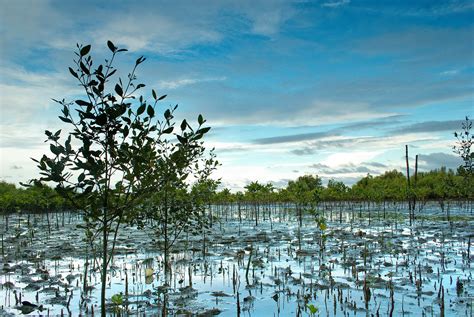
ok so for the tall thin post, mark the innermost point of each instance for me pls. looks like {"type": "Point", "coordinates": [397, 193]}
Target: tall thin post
{"type": "Point", "coordinates": [414, 185]}
{"type": "Point", "coordinates": [408, 183]}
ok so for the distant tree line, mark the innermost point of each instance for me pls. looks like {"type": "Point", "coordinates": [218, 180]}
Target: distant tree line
{"type": "Point", "coordinates": [438, 184]}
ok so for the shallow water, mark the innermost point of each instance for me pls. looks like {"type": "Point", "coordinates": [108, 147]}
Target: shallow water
{"type": "Point", "coordinates": [286, 274]}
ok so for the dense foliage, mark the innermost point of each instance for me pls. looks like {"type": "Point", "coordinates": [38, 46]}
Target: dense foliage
{"type": "Point", "coordinates": [439, 184]}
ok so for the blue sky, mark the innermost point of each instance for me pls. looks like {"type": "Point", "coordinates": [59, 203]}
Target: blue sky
{"type": "Point", "coordinates": [334, 88]}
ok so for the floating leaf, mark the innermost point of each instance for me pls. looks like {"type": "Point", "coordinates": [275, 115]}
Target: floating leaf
{"type": "Point", "coordinates": [117, 299]}
{"type": "Point", "coordinates": [312, 309]}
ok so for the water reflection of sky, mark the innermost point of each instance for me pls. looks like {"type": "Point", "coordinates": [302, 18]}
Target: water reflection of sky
{"type": "Point", "coordinates": [280, 280]}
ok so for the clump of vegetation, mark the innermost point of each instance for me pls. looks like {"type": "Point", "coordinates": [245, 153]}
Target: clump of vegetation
{"type": "Point", "coordinates": [118, 152]}
{"type": "Point", "coordinates": [465, 139]}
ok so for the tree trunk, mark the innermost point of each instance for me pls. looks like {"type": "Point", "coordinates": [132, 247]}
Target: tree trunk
{"type": "Point", "coordinates": [104, 266]}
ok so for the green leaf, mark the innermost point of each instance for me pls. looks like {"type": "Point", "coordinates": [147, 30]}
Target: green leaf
{"type": "Point", "coordinates": [200, 119]}
{"type": "Point", "coordinates": [140, 60]}
{"type": "Point", "coordinates": [323, 226]}
{"type": "Point", "coordinates": [153, 93]}
{"type": "Point", "coordinates": [111, 73]}
{"type": "Point", "coordinates": [183, 125]}
{"type": "Point", "coordinates": [67, 120]}
{"type": "Point", "coordinates": [162, 97]}
{"type": "Point", "coordinates": [168, 130]}
{"type": "Point", "coordinates": [73, 72]}
{"type": "Point", "coordinates": [313, 309]}
{"type": "Point", "coordinates": [101, 119]}
{"type": "Point", "coordinates": [150, 111]}
{"type": "Point", "coordinates": [68, 145]}
{"type": "Point", "coordinates": [85, 50]}
{"type": "Point", "coordinates": [56, 150]}
{"type": "Point", "coordinates": [118, 90]}
{"type": "Point", "coordinates": [111, 46]}
{"type": "Point", "coordinates": [203, 130]}
{"type": "Point", "coordinates": [83, 103]}
{"type": "Point", "coordinates": [181, 139]}
{"type": "Point", "coordinates": [84, 69]}
{"type": "Point", "coordinates": [81, 177]}
{"type": "Point", "coordinates": [117, 299]}
{"type": "Point", "coordinates": [141, 109]}
{"type": "Point", "coordinates": [167, 114]}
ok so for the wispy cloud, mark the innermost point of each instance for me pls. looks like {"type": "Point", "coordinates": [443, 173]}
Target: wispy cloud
{"type": "Point", "coordinates": [178, 83]}
{"type": "Point", "coordinates": [348, 169]}
{"type": "Point", "coordinates": [27, 94]}
{"type": "Point", "coordinates": [373, 143]}
{"type": "Point", "coordinates": [450, 72]}
{"type": "Point", "coordinates": [418, 10]}
{"type": "Point", "coordinates": [428, 126]}
{"type": "Point", "coordinates": [335, 4]}
{"type": "Point", "coordinates": [292, 138]}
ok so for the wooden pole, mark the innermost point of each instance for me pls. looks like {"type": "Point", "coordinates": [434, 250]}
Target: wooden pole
{"type": "Point", "coordinates": [408, 183]}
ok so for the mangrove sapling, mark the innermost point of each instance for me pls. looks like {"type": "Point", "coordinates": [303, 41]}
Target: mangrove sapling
{"type": "Point", "coordinates": [172, 209]}
{"type": "Point", "coordinates": [201, 192]}
{"type": "Point", "coordinates": [106, 166]}
{"type": "Point", "coordinates": [463, 148]}
{"type": "Point", "coordinates": [254, 192]}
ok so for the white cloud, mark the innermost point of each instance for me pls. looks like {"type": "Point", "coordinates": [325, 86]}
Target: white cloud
{"type": "Point", "coordinates": [178, 83]}
{"type": "Point", "coordinates": [450, 72]}
{"type": "Point", "coordinates": [25, 95]}
{"type": "Point", "coordinates": [335, 4]}
{"type": "Point", "coordinates": [352, 157]}
{"type": "Point", "coordinates": [156, 31]}
{"type": "Point", "coordinates": [240, 176]}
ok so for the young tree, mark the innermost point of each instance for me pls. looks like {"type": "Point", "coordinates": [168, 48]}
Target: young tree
{"type": "Point", "coordinates": [305, 192]}
{"type": "Point", "coordinates": [173, 207]}
{"type": "Point", "coordinates": [463, 145]}
{"type": "Point", "coordinates": [463, 149]}
{"type": "Point", "coordinates": [108, 163]}
{"type": "Point", "coordinates": [254, 192]}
